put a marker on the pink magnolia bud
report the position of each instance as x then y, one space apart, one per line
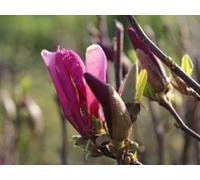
156 74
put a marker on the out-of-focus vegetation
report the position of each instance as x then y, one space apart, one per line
25 84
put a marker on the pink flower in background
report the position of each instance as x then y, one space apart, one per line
77 100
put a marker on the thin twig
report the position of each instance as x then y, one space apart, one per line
163 57
106 152
109 154
103 29
197 114
118 51
180 124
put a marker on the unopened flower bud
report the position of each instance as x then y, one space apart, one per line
116 114
156 74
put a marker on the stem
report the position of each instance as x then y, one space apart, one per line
102 26
180 124
197 124
118 52
106 152
163 57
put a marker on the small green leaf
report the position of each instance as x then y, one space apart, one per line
141 83
187 65
134 156
133 147
148 91
95 122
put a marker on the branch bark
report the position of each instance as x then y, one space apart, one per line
118 51
163 57
180 123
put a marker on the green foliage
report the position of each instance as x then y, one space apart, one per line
187 65
148 91
141 83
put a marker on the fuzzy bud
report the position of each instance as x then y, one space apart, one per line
116 114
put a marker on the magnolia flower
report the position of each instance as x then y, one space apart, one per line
156 74
78 102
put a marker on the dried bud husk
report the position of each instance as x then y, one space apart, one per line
103 140
182 87
121 122
116 114
89 147
179 85
93 153
79 141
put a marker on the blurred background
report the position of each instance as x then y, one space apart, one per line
32 130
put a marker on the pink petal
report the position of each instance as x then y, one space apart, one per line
96 64
71 69
49 59
71 96
76 68
65 89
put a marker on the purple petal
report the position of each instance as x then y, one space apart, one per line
49 59
68 86
72 65
76 68
96 64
